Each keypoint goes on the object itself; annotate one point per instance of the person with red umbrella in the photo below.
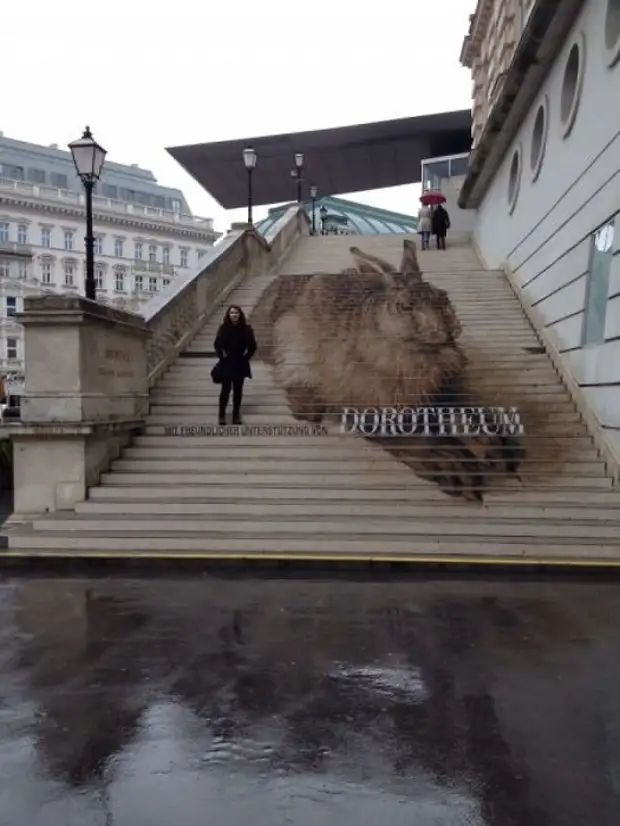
(425, 225)
(440, 220)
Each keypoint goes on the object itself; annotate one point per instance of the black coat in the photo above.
(235, 346)
(441, 221)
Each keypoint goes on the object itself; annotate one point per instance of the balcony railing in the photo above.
(66, 196)
(14, 250)
(152, 267)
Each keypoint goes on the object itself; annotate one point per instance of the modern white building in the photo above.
(145, 235)
(544, 180)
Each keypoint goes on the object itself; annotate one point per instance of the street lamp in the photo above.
(299, 163)
(88, 158)
(323, 211)
(313, 193)
(249, 159)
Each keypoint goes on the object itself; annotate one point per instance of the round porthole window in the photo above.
(572, 83)
(514, 179)
(539, 139)
(612, 31)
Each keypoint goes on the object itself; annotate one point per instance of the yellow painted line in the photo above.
(448, 560)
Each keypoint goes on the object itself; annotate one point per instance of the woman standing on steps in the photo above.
(235, 344)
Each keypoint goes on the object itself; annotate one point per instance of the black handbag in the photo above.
(218, 373)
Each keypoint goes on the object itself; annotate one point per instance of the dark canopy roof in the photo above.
(346, 159)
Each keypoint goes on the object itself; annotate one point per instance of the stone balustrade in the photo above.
(89, 367)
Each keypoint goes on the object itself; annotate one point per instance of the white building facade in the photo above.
(144, 236)
(545, 183)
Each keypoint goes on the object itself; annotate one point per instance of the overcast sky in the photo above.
(147, 75)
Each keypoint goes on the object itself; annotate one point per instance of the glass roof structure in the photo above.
(347, 216)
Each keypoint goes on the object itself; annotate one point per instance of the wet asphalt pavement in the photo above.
(153, 702)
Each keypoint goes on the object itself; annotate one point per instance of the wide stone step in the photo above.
(537, 382)
(298, 442)
(533, 355)
(288, 428)
(522, 368)
(335, 452)
(362, 548)
(558, 423)
(160, 491)
(377, 466)
(513, 319)
(304, 479)
(383, 529)
(268, 394)
(284, 509)
(257, 404)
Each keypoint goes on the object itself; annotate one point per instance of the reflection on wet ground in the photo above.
(305, 702)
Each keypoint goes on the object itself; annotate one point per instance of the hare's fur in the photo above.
(375, 336)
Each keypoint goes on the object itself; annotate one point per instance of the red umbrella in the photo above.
(432, 197)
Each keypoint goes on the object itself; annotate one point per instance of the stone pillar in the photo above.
(86, 391)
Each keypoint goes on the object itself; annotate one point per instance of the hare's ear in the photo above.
(365, 262)
(409, 264)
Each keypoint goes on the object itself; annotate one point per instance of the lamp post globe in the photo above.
(88, 158)
(249, 160)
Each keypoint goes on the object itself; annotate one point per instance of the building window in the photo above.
(137, 251)
(184, 258)
(99, 274)
(109, 191)
(98, 245)
(139, 283)
(46, 237)
(59, 180)
(5, 269)
(514, 179)
(612, 31)
(200, 254)
(15, 173)
(69, 275)
(539, 139)
(166, 255)
(601, 256)
(152, 285)
(166, 282)
(36, 176)
(120, 281)
(4, 232)
(46, 272)
(118, 247)
(22, 271)
(11, 305)
(153, 253)
(11, 347)
(22, 233)
(69, 234)
(572, 83)
(176, 205)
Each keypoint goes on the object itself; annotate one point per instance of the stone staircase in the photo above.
(291, 489)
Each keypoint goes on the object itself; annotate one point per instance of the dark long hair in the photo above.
(227, 323)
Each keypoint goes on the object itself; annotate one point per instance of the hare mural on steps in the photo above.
(375, 336)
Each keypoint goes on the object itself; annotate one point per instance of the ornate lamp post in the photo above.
(323, 211)
(298, 173)
(313, 193)
(88, 158)
(249, 159)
